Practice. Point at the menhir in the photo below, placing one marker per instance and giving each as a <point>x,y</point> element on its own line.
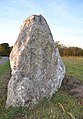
<point>37,68</point>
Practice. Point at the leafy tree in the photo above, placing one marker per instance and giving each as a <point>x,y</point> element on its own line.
<point>5,49</point>
<point>68,51</point>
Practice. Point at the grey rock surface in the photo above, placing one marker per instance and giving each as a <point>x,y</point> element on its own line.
<point>37,68</point>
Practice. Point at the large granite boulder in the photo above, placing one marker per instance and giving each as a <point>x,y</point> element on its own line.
<point>37,68</point>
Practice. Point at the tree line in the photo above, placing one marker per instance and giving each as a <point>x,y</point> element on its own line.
<point>5,49</point>
<point>69,51</point>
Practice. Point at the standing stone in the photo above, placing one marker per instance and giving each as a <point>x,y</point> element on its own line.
<point>37,68</point>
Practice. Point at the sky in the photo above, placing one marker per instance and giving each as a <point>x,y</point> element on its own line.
<point>64,17</point>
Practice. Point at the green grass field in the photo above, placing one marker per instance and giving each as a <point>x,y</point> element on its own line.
<point>3,68</point>
<point>60,106</point>
<point>74,66</point>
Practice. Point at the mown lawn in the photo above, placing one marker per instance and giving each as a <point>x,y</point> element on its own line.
<point>74,66</point>
<point>60,106</point>
<point>4,68</point>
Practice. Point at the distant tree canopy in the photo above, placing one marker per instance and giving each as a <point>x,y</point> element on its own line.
<point>5,49</point>
<point>69,51</point>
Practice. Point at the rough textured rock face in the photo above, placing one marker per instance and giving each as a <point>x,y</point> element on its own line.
<point>37,69</point>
